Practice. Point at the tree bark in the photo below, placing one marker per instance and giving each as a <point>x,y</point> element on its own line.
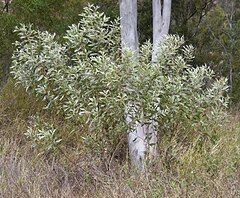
<point>161,22</point>
<point>129,37</point>
<point>142,139</point>
<point>128,19</point>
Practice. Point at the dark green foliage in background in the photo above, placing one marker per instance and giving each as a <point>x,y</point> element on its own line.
<point>51,15</point>
<point>203,23</point>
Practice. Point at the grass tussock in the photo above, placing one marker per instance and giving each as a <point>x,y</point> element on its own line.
<point>209,169</point>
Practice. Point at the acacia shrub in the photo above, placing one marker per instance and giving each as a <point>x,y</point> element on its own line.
<point>91,79</point>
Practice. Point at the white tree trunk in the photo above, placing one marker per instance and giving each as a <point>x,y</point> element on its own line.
<point>129,37</point>
<point>161,22</point>
<point>138,139</point>
<point>128,18</point>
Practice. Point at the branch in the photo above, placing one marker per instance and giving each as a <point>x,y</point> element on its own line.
<point>6,5</point>
<point>219,42</point>
<point>206,5</point>
<point>203,14</point>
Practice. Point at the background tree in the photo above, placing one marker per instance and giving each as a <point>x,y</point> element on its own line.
<point>217,42</point>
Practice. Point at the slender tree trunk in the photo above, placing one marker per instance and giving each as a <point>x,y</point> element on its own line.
<point>128,15</point>
<point>142,138</point>
<point>161,22</point>
<point>231,37</point>
<point>136,137</point>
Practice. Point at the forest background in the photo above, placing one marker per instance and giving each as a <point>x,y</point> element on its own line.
<point>211,26</point>
<point>207,170</point>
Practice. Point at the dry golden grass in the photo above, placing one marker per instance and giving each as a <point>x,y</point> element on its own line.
<point>209,170</point>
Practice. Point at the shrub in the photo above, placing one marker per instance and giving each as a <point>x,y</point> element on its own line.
<point>43,135</point>
<point>91,79</point>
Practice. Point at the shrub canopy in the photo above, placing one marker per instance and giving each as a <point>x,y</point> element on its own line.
<point>92,79</point>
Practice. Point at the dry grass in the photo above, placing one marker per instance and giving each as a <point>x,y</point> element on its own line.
<point>212,170</point>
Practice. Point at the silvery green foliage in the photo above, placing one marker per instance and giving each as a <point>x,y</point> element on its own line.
<point>173,93</point>
<point>86,78</point>
<point>80,76</point>
<point>43,135</point>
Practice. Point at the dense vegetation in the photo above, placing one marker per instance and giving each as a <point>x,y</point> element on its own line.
<point>43,154</point>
